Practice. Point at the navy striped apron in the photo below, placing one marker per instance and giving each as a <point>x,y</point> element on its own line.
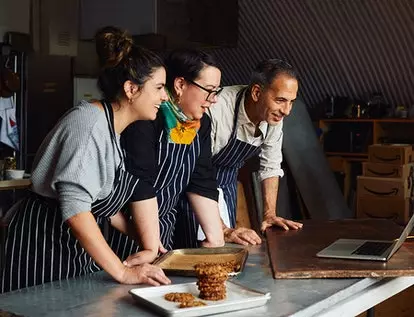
<point>176,163</point>
<point>227,162</point>
<point>40,247</point>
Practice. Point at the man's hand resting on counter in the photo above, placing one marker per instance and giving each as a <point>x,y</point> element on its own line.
<point>247,236</point>
<point>273,220</point>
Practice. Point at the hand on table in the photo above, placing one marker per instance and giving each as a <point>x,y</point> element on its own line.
<point>285,224</point>
<point>144,274</point>
<point>242,236</point>
<point>141,257</point>
<point>208,244</point>
<point>145,256</point>
<point>161,248</point>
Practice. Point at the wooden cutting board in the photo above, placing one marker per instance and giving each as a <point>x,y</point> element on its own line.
<point>293,253</point>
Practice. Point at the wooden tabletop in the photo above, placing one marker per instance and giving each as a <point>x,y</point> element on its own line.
<point>15,184</point>
<point>293,253</point>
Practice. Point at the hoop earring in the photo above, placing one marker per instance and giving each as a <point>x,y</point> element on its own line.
<point>130,100</point>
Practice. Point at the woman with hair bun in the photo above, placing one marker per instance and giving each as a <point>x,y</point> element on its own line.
<point>79,180</point>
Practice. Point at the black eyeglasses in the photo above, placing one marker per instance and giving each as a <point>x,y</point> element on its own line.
<point>211,92</point>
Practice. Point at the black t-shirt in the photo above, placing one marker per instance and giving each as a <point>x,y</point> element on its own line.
<point>140,140</point>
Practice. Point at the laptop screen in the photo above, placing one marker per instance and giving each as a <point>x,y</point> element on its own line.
<point>403,236</point>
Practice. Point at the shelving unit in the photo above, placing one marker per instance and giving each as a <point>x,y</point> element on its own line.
<point>388,130</point>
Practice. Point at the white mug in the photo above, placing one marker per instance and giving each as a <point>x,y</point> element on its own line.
<point>13,174</point>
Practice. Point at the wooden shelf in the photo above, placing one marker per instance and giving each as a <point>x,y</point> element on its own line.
<point>357,159</point>
<point>347,154</point>
<point>346,120</point>
<point>387,130</point>
<point>347,157</point>
<point>395,120</point>
<point>15,184</point>
<point>385,120</point>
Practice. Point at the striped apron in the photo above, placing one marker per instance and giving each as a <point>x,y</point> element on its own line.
<point>176,163</point>
<point>227,162</point>
<point>40,247</point>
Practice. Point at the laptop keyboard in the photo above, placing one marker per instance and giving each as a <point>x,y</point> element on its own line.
<point>372,248</point>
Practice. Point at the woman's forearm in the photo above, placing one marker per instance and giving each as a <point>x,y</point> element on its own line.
<point>145,221</point>
<point>87,232</point>
<point>207,213</point>
<point>122,223</point>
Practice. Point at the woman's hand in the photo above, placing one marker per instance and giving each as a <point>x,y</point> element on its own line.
<point>209,244</point>
<point>145,256</point>
<point>144,274</point>
<point>242,236</point>
<point>161,249</point>
<point>141,257</point>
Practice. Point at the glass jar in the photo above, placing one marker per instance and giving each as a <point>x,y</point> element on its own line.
<point>9,163</point>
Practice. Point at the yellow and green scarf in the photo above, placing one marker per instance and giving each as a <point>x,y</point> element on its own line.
<point>180,129</point>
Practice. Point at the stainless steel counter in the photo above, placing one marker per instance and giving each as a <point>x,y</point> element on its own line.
<point>98,295</point>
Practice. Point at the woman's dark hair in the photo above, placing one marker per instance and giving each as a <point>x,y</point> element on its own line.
<point>266,71</point>
<point>121,60</point>
<point>186,63</point>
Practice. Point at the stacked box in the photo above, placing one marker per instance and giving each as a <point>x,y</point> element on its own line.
<point>385,189</point>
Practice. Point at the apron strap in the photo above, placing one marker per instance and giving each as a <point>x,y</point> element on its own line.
<point>240,95</point>
<point>110,118</point>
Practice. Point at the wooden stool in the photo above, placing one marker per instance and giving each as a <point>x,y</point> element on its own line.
<point>242,215</point>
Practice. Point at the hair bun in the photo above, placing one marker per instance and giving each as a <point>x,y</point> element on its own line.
<point>112,46</point>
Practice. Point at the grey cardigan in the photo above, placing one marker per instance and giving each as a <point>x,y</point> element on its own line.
<point>77,160</point>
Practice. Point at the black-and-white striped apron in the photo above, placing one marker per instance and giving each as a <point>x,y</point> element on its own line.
<point>40,247</point>
<point>227,162</point>
<point>176,163</point>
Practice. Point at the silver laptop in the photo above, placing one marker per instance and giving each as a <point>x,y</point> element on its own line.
<point>377,250</point>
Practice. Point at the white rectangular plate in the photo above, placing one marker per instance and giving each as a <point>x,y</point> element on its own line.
<point>238,297</point>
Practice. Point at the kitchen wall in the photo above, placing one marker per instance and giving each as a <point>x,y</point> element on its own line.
<point>340,47</point>
<point>14,15</point>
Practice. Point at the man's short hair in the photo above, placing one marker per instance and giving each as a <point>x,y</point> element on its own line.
<point>267,70</point>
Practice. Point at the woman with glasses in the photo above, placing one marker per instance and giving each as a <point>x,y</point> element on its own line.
<point>172,155</point>
<point>247,121</point>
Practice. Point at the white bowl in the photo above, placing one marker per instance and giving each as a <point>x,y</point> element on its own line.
<point>13,174</point>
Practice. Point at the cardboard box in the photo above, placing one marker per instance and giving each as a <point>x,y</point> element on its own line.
<point>390,153</point>
<point>384,187</point>
<point>387,170</point>
<point>397,209</point>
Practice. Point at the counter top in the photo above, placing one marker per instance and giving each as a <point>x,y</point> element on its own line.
<point>98,295</point>
<point>317,235</point>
